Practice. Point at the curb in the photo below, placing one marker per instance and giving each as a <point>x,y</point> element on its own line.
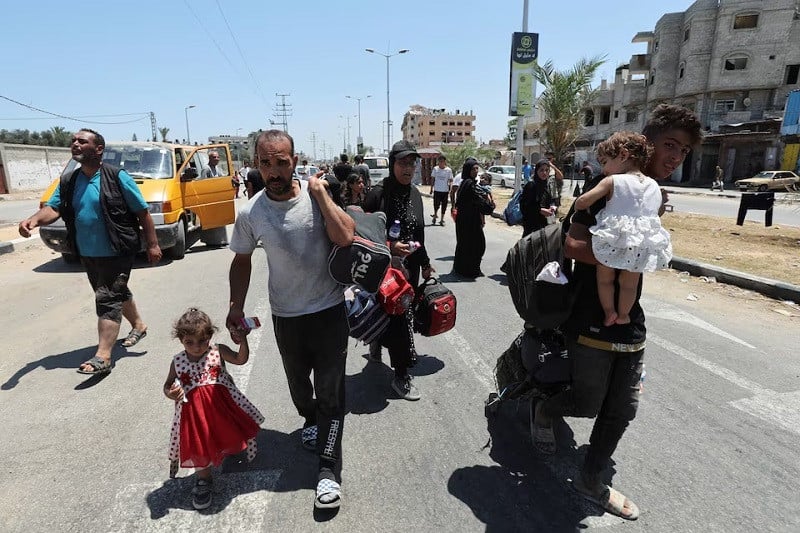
<point>6,247</point>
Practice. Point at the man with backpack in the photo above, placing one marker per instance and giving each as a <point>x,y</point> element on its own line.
<point>607,362</point>
<point>106,239</point>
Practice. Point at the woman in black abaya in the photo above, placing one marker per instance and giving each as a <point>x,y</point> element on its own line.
<point>470,241</point>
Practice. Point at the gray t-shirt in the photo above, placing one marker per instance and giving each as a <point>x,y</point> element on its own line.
<point>293,235</point>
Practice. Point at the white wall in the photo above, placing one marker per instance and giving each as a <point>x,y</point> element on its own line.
<point>32,168</point>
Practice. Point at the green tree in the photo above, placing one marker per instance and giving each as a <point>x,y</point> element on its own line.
<point>61,137</point>
<point>164,132</point>
<point>134,139</point>
<point>565,96</point>
<point>511,136</point>
<point>458,153</point>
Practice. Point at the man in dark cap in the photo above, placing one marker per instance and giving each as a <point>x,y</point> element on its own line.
<point>396,197</point>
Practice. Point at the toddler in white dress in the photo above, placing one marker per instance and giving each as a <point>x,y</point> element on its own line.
<point>628,237</point>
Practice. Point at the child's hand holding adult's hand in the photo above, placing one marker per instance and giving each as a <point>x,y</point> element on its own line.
<point>175,392</point>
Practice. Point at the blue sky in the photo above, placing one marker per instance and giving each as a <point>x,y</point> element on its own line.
<point>116,58</point>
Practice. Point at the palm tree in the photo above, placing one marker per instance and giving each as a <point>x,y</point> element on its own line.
<point>565,96</point>
<point>163,132</point>
<point>61,137</point>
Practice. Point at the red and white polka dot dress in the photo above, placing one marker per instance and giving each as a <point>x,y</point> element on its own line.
<point>217,421</point>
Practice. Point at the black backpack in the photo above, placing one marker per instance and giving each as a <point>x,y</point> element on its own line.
<point>540,304</point>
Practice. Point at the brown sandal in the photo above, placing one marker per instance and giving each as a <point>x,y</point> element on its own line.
<point>134,337</point>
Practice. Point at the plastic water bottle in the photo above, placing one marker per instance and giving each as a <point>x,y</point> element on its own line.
<point>551,219</point>
<point>394,231</point>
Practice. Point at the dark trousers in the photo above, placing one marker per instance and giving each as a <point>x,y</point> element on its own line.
<point>440,199</point>
<point>605,385</point>
<point>318,343</point>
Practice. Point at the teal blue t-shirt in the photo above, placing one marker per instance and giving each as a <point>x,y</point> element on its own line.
<point>90,228</point>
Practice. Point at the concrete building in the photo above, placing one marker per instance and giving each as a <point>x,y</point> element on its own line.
<point>428,128</point>
<point>733,62</point>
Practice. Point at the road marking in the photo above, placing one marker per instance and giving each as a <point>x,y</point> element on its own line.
<point>474,362</point>
<point>243,496</point>
<point>668,312</point>
<point>780,408</point>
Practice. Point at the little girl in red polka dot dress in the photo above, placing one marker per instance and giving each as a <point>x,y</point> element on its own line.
<point>213,419</point>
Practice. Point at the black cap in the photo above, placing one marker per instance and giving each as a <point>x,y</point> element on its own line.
<point>403,149</point>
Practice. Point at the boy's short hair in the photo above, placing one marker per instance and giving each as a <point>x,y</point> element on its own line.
<point>441,158</point>
<point>667,117</point>
<point>635,144</point>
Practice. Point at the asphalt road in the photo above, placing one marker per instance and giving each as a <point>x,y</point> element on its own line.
<point>714,447</point>
<point>783,214</point>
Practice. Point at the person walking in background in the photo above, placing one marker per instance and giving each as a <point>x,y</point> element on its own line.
<point>363,170</point>
<point>105,240</point>
<point>253,183</point>
<point>353,192</point>
<point>557,177</point>
<point>213,419</point>
<point>470,240</point>
<point>400,201</point>
<point>606,362</point>
<point>526,171</point>
<point>303,171</point>
<point>536,202</point>
<point>717,183</point>
<point>628,238</point>
<point>295,222</point>
<point>442,179</point>
<point>242,176</point>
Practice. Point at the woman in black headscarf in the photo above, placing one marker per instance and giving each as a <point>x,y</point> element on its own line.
<point>396,197</point>
<point>470,241</point>
<point>537,201</point>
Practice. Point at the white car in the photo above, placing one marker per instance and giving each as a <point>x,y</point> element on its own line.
<point>503,175</point>
<point>378,168</point>
<point>777,180</point>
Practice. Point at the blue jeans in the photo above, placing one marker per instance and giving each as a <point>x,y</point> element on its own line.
<point>605,384</point>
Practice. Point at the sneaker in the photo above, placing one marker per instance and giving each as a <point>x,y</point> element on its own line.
<point>201,494</point>
<point>434,219</point>
<point>441,223</point>
<point>405,388</point>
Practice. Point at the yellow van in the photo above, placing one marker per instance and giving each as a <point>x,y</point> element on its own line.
<point>188,200</point>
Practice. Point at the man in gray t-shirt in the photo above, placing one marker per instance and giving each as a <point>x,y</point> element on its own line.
<point>296,221</point>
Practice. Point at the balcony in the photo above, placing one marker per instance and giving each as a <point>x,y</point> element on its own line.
<point>640,63</point>
<point>635,92</point>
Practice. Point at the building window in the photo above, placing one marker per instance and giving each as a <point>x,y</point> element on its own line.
<point>745,21</point>
<point>588,119</point>
<point>681,70</point>
<point>736,63</point>
<point>466,134</point>
<point>605,115</point>
<point>653,77</point>
<point>631,116</point>
<point>466,124</point>
<point>792,73</point>
<point>431,123</point>
<point>655,47</point>
<point>616,113</point>
<point>459,123</point>
<point>686,34</point>
<point>722,106</point>
<point>432,133</point>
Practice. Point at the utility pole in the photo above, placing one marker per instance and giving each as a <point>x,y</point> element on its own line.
<point>520,148</point>
<point>282,112</point>
<point>313,140</point>
<point>153,127</point>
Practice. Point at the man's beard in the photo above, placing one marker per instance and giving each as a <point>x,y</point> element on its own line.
<point>279,186</point>
<point>79,157</point>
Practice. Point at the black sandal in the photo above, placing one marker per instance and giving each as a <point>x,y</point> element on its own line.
<point>98,364</point>
<point>134,337</point>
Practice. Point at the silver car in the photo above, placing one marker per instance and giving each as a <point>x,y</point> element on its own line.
<point>503,175</point>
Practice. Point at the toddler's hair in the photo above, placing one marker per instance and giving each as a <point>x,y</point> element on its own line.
<point>639,150</point>
<point>193,322</point>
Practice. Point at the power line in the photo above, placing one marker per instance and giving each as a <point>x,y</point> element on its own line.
<point>241,54</point>
<point>211,36</point>
<point>74,118</point>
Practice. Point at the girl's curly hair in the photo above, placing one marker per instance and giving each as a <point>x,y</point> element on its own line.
<point>193,322</point>
<point>635,144</point>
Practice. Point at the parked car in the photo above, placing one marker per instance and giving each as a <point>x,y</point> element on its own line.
<point>378,168</point>
<point>778,180</point>
<point>185,206</point>
<point>503,175</point>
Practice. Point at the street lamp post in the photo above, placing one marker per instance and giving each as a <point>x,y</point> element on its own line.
<point>359,141</point>
<point>186,113</point>
<point>388,114</point>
